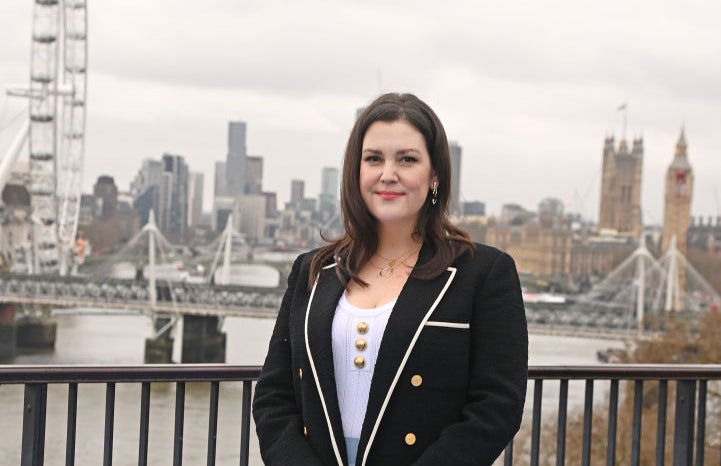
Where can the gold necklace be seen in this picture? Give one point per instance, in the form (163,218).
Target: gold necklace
(391,264)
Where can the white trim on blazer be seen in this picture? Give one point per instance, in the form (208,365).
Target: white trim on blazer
(437,323)
(315,374)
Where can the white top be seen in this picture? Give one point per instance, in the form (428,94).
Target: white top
(352,383)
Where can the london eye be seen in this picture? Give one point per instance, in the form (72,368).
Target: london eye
(54,130)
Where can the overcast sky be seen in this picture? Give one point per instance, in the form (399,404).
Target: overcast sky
(528,89)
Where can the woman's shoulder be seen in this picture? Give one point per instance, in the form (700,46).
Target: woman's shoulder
(304,259)
(481,254)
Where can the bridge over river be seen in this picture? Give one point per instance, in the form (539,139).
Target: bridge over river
(86,295)
(171,297)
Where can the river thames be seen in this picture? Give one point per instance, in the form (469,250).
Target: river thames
(88,339)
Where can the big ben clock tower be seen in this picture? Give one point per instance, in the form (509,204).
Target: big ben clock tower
(677,211)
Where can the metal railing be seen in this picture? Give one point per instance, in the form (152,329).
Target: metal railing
(689,415)
(37,378)
(689,412)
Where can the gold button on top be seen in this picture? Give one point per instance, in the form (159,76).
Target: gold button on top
(362,328)
(300,373)
(361,344)
(305,431)
(410,438)
(359,362)
(416,380)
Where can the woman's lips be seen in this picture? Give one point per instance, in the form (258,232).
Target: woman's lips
(389,195)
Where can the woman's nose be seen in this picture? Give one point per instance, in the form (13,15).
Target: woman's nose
(389,174)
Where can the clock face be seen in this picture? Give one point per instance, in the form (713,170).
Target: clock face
(681,183)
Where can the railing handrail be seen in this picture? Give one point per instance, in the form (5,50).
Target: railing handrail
(627,372)
(129,373)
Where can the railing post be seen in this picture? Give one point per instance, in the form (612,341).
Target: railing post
(562,414)
(179,423)
(109,424)
(536,421)
(71,430)
(637,423)
(245,422)
(144,424)
(213,422)
(587,423)
(701,423)
(684,423)
(661,421)
(612,424)
(508,454)
(33,447)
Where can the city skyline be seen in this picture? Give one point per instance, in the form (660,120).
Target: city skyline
(529,91)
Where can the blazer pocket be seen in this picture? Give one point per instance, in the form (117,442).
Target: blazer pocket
(441,355)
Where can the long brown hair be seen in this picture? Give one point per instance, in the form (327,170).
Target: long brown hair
(357,245)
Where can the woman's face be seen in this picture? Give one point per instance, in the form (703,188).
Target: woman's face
(395,172)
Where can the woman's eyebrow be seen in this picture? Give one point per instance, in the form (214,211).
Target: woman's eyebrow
(409,150)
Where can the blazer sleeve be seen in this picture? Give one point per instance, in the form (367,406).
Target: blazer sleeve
(497,378)
(277,417)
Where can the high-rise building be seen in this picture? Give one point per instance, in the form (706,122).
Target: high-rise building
(329,189)
(297,192)
(172,216)
(271,203)
(329,181)
(235,163)
(677,206)
(148,175)
(455,207)
(221,184)
(621,187)
(253,175)
(249,215)
(144,189)
(106,192)
(195,199)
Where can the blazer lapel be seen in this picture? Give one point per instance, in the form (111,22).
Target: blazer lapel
(319,345)
(413,307)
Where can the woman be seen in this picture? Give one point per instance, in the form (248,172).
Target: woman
(401,342)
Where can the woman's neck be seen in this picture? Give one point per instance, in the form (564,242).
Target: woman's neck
(393,242)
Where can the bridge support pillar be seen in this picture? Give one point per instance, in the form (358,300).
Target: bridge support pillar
(159,350)
(7,331)
(203,342)
(37,331)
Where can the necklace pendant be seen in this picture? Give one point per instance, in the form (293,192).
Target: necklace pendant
(388,269)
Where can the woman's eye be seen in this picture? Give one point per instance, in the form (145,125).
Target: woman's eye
(408,159)
(372,158)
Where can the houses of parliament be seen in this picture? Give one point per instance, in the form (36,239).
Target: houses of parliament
(550,243)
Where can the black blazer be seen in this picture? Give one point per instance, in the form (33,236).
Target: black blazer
(449,382)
